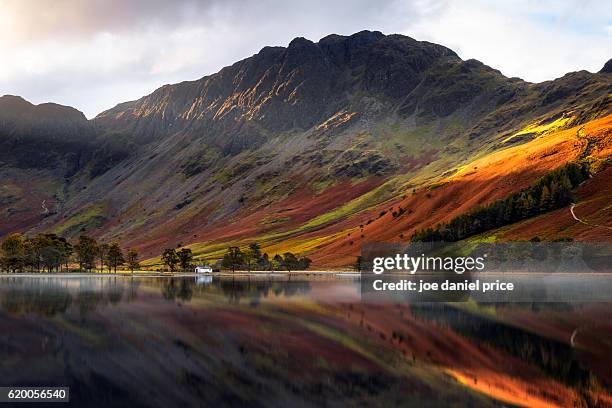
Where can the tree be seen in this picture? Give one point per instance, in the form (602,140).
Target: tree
(49,251)
(304,263)
(545,199)
(565,192)
(264,262)
(170,258)
(278,261)
(65,249)
(132,259)
(185,256)
(252,255)
(103,255)
(233,258)
(290,261)
(86,250)
(114,258)
(13,253)
(31,259)
(525,205)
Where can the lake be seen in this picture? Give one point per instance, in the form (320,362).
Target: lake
(294,341)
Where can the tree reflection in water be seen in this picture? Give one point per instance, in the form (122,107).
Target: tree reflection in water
(554,357)
(49,296)
(234,290)
(320,347)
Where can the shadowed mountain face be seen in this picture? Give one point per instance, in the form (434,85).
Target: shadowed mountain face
(284,89)
(275,142)
(46,136)
(22,116)
(53,137)
(339,81)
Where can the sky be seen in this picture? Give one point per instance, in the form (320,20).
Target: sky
(93,54)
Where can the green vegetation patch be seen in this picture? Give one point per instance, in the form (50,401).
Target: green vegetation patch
(88,218)
(200,161)
(359,204)
(270,220)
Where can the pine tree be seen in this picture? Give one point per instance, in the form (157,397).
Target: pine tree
(565,192)
(545,202)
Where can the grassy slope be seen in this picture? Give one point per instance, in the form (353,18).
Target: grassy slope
(331,234)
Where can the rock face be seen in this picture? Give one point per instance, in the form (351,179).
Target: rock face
(304,85)
(282,126)
(363,78)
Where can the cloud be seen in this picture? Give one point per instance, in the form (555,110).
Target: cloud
(94,54)
(536,41)
(38,21)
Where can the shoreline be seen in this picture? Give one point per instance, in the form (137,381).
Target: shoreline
(155,274)
(178,274)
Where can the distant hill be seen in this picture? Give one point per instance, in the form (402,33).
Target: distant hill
(296,148)
(42,136)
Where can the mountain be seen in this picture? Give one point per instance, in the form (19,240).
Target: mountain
(607,68)
(42,136)
(295,147)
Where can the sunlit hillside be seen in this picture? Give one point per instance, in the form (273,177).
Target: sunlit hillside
(313,148)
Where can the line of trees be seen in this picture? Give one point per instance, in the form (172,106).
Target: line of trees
(253,259)
(235,258)
(174,259)
(550,192)
(52,253)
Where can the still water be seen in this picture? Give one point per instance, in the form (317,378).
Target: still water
(308,341)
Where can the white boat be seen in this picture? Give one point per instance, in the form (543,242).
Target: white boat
(203,269)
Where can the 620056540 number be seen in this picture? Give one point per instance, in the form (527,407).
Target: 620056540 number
(33,394)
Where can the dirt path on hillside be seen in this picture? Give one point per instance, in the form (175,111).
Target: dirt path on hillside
(584,222)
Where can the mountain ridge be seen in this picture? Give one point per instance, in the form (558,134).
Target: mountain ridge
(289,142)
(245,78)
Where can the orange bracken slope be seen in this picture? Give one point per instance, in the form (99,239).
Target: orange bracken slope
(491,178)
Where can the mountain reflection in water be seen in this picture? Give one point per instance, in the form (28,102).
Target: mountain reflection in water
(209,341)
